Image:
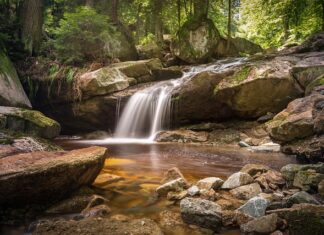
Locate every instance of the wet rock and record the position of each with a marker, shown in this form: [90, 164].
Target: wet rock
[289, 171]
[71, 205]
[183, 136]
[208, 194]
[246, 192]
[174, 186]
[303, 218]
[236, 180]
[253, 169]
[201, 212]
[31, 122]
[302, 197]
[193, 190]
[210, 183]
[243, 144]
[174, 196]
[167, 73]
[265, 148]
[105, 179]
[266, 118]
[307, 180]
[255, 207]
[234, 218]
[307, 150]
[263, 225]
[172, 174]
[206, 127]
[98, 226]
[96, 211]
[20, 173]
[170, 219]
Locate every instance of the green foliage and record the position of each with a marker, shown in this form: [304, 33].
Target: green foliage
[83, 35]
[278, 22]
[148, 39]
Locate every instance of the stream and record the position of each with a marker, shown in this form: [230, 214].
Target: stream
[142, 167]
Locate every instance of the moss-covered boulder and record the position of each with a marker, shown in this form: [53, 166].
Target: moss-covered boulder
[316, 85]
[11, 90]
[245, 46]
[302, 118]
[29, 121]
[196, 41]
[254, 90]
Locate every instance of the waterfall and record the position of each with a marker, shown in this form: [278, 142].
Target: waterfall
[149, 111]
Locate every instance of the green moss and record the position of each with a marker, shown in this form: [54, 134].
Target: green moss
[37, 118]
[317, 82]
[305, 223]
[241, 75]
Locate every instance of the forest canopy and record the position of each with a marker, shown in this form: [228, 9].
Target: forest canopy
[70, 29]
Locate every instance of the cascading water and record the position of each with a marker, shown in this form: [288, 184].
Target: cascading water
[149, 111]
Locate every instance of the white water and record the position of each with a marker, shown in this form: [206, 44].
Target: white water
[149, 111]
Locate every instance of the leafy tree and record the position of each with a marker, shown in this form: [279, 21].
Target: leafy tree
[84, 35]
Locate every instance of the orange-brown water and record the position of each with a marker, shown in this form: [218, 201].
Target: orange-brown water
[142, 167]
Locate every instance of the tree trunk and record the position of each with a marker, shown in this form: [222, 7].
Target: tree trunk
[286, 28]
[229, 25]
[158, 23]
[114, 11]
[200, 9]
[32, 24]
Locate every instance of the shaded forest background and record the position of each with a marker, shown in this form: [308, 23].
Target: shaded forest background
[70, 31]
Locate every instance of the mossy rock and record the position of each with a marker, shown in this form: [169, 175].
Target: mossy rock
[314, 84]
[301, 223]
[30, 121]
[196, 41]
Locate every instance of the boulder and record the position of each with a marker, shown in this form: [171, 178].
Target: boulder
[11, 90]
[302, 197]
[98, 226]
[149, 51]
[307, 180]
[176, 185]
[309, 150]
[29, 121]
[259, 88]
[298, 120]
[246, 192]
[196, 41]
[172, 174]
[183, 136]
[40, 177]
[245, 46]
[201, 212]
[263, 225]
[289, 171]
[255, 207]
[303, 218]
[316, 85]
[253, 169]
[236, 180]
[210, 183]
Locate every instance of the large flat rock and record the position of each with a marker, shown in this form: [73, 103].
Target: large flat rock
[40, 177]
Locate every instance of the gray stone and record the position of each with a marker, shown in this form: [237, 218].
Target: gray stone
[302, 197]
[193, 190]
[263, 225]
[266, 148]
[174, 185]
[236, 180]
[246, 192]
[243, 144]
[201, 212]
[255, 207]
[210, 183]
